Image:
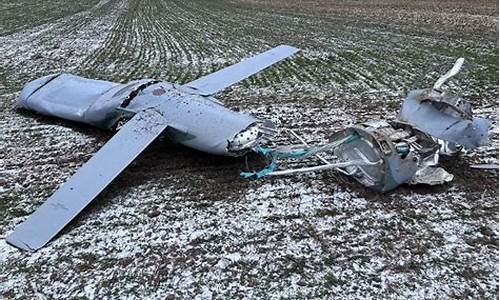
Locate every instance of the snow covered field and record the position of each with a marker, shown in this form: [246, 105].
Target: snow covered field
[179, 224]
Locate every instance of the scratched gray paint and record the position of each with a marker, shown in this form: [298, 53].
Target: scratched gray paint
[77, 99]
[196, 121]
[64, 96]
[193, 118]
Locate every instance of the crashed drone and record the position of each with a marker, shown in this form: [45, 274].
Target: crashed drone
[187, 113]
[378, 154]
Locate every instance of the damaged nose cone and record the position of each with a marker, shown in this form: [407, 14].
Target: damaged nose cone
[252, 136]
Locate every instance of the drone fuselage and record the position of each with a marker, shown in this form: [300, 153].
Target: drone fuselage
[194, 120]
[202, 122]
[187, 113]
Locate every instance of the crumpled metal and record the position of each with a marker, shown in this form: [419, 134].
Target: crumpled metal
[443, 116]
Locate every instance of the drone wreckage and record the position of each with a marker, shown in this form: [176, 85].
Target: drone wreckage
[378, 154]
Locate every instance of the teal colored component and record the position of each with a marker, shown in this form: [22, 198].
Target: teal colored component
[273, 165]
[302, 153]
[262, 173]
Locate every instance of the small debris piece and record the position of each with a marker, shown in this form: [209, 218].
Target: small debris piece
[431, 176]
[153, 214]
[485, 166]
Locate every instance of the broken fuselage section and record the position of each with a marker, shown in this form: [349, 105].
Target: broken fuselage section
[377, 154]
[446, 117]
[401, 150]
[197, 121]
[382, 155]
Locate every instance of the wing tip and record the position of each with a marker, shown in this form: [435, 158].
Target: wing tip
[292, 49]
[18, 243]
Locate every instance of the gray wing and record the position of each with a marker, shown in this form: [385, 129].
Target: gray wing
[217, 81]
[74, 195]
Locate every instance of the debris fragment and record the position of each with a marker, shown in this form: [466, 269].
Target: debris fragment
[485, 166]
[445, 116]
[382, 155]
[431, 176]
[377, 154]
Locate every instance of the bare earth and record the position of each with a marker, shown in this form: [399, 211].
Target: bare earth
[179, 224]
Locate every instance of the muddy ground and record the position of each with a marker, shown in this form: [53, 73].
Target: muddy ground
[182, 224]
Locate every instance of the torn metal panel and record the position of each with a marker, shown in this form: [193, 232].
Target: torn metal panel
[396, 148]
[403, 143]
[431, 176]
[111, 106]
[485, 166]
[379, 155]
[445, 116]
[452, 72]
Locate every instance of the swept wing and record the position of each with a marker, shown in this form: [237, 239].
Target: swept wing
[76, 193]
[217, 81]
